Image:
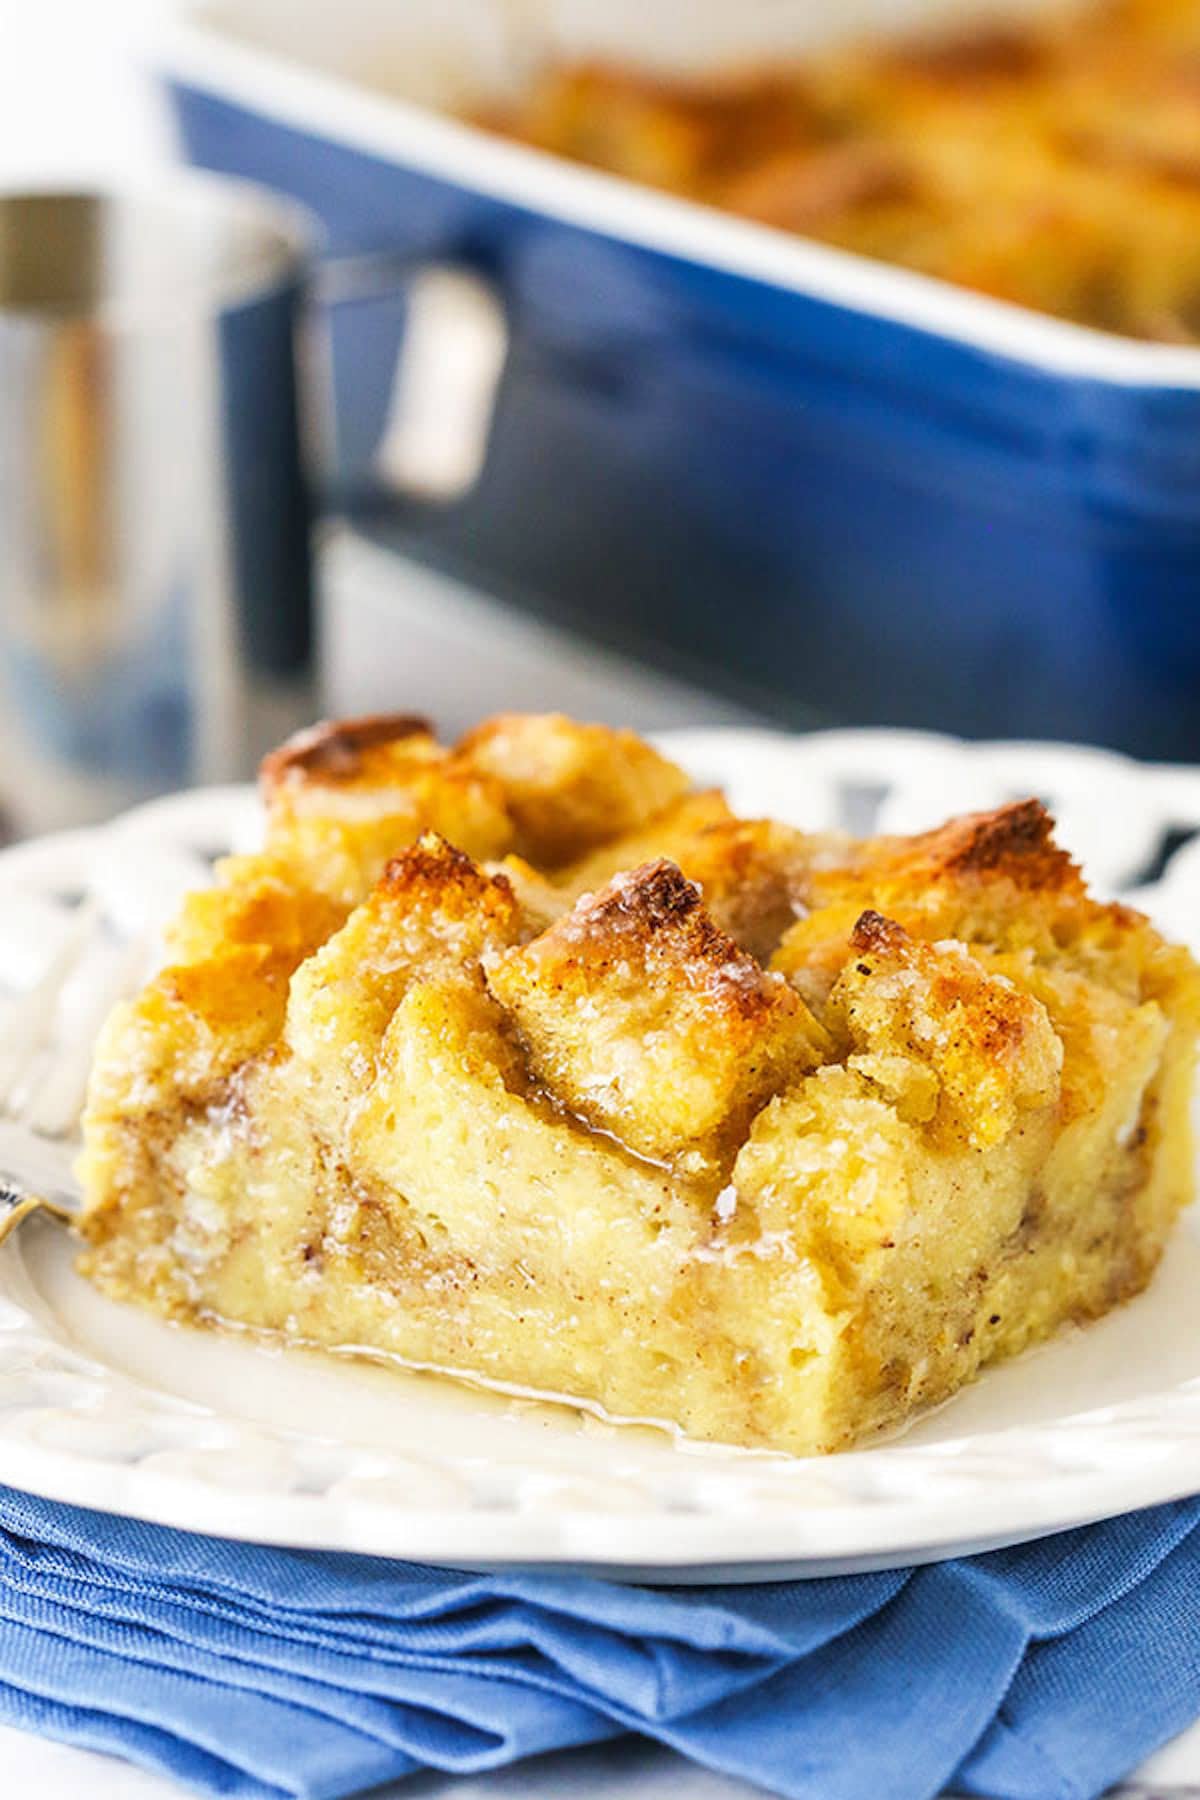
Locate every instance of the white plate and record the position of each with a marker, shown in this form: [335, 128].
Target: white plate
[115, 1409]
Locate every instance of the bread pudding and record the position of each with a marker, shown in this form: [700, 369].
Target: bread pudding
[525, 1061]
[1054, 162]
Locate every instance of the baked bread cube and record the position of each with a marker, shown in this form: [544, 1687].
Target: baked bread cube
[644, 1019]
[346, 795]
[941, 1036]
[567, 786]
[432, 907]
[770, 1137]
[753, 873]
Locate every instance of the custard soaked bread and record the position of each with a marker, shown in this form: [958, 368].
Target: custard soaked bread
[525, 1061]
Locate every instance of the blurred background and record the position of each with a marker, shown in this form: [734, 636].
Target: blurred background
[674, 368]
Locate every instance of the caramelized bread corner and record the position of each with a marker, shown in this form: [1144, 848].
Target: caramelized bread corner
[336, 751]
[930, 1020]
[641, 1016]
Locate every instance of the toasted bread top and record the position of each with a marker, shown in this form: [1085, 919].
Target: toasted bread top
[659, 968]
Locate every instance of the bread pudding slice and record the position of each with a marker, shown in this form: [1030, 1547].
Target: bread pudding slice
[524, 1061]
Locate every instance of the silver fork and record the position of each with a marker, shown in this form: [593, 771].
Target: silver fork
[45, 1052]
[19, 1202]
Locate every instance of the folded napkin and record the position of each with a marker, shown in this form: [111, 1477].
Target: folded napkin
[1039, 1673]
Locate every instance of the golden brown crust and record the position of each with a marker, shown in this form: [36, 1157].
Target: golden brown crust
[985, 51]
[432, 866]
[653, 919]
[432, 906]
[570, 786]
[800, 191]
[334, 750]
[646, 1019]
[347, 795]
[1013, 842]
[872, 932]
[359, 792]
[996, 878]
[754, 874]
[660, 908]
[912, 1010]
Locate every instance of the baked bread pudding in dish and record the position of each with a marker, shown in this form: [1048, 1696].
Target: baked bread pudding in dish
[526, 1061]
[1052, 161]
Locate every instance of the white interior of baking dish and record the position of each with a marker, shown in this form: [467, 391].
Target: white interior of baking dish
[448, 53]
[387, 78]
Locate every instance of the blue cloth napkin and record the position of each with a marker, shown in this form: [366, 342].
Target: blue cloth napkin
[1040, 1673]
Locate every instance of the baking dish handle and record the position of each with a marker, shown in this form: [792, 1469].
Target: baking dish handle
[451, 346]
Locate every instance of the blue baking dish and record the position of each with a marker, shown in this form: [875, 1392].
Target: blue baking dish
[839, 490]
